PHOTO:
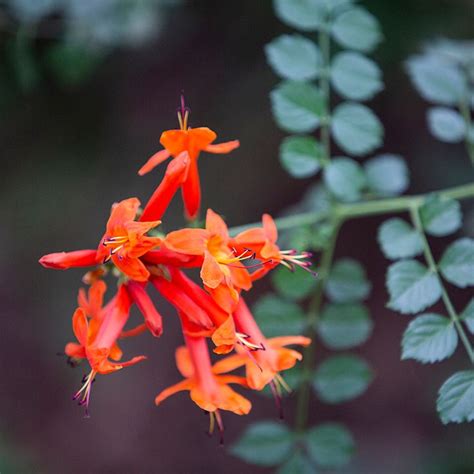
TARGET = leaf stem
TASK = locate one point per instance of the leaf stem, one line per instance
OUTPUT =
(314, 309)
(325, 46)
(363, 209)
(415, 217)
(466, 113)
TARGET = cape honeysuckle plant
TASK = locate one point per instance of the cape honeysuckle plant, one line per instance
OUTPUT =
(314, 69)
(144, 261)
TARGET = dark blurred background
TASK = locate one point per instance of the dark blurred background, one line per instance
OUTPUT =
(75, 128)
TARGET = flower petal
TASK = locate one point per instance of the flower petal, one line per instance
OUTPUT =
(154, 161)
(225, 147)
(65, 260)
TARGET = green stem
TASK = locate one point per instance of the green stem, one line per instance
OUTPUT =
(415, 217)
(314, 309)
(325, 46)
(466, 113)
(363, 209)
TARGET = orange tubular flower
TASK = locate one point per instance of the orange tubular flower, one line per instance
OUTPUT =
(192, 141)
(264, 366)
(209, 391)
(125, 241)
(263, 242)
(222, 272)
(98, 341)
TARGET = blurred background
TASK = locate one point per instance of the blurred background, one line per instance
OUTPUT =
(86, 87)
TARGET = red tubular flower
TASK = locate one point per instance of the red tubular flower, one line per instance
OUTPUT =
(209, 391)
(222, 272)
(153, 319)
(192, 141)
(175, 176)
(265, 365)
(263, 242)
(65, 260)
(184, 303)
(97, 341)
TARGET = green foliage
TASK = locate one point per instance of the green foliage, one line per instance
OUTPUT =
(441, 216)
(347, 282)
(355, 77)
(356, 129)
(456, 398)
(300, 156)
(277, 317)
(294, 57)
(468, 316)
(345, 178)
(446, 124)
(265, 444)
(296, 285)
(398, 239)
(436, 79)
(412, 286)
(305, 15)
(387, 175)
(330, 445)
(457, 263)
(429, 338)
(344, 326)
(297, 106)
(297, 464)
(357, 29)
(341, 378)
(72, 64)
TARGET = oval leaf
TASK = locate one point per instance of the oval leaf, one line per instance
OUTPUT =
(330, 445)
(429, 338)
(294, 57)
(305, 15)
(297, 106)
(347, 282)
(357, 29)
(446, 124)
(355, 77)
(412, 286)
(387, 175)
(356, 128)
(345, 179)
(343, 326)
(457, 263)
(441, 216)
(456, 398)
(295, 285)
(398, 239)
(277, 317)
(468, 316)
(265, 444)
(300, 156)
(341, 378)
(437, 80)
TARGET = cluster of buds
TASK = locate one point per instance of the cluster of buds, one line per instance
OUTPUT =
(211, 313)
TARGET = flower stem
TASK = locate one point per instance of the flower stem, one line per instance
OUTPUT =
(363, 209)
(314, 310)
(415, 217)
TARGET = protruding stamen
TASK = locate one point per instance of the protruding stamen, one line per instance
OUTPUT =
(183, 115)
(243, 339)
(291, 259)
(85, 391)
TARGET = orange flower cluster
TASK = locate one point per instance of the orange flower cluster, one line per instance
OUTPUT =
(214, 311)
